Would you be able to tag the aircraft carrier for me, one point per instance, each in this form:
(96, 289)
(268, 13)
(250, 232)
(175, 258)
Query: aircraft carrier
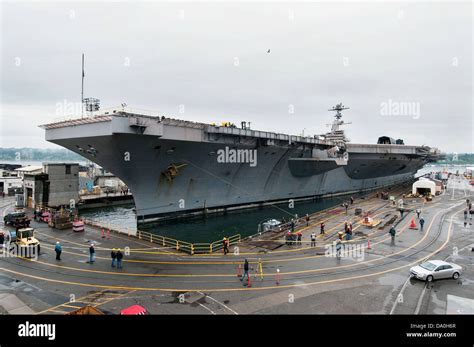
(176, 168)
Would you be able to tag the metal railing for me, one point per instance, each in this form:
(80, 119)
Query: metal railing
(216, 246)
(168, 242)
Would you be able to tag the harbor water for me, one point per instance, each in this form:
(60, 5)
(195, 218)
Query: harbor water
(213, 227)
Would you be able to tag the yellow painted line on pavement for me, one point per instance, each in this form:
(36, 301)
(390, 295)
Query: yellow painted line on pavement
(233, 275)
(263, 261)
(295, 285)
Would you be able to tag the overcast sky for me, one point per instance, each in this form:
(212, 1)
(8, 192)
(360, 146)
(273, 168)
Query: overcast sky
(210, 60)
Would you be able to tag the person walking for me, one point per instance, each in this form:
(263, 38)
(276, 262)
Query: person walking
(246, 270)
(338, 249)
(418, 212)
(299, 235)
(119, 258)
(113, 255)
(91, 253)
(322, 228)
(392, 233)
(352, 200)
(225, 245)
(313, 239)
(307, 219)
(401, 213)
(422, 222)
(465, 217)
(58, 249)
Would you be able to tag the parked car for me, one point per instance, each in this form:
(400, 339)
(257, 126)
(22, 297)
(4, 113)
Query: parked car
(436, 269)
(17, 219)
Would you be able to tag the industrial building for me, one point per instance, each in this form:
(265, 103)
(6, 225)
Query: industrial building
(56, 185)
(10, 184)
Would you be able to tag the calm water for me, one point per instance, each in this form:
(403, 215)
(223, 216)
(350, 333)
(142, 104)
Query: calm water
(215, 227)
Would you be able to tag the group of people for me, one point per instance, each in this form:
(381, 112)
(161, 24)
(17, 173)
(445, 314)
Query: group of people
(292, 238)
(116, 254)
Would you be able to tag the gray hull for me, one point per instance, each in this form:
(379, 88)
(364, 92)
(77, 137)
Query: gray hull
(285, 169)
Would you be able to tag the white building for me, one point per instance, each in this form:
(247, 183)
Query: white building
(30, 169)
(10, 183)
(423, 186)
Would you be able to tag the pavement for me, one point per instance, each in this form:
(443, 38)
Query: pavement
(311, 279)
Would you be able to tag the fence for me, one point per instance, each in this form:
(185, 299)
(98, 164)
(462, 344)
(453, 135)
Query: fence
(178, 245)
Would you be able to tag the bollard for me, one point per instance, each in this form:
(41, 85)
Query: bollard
(239, 271)
(177, 245)
(103, 233)
(108, 234)
(277, 277)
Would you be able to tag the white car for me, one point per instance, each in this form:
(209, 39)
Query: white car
(436, 269)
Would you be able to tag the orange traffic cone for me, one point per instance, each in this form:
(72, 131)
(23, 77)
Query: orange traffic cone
(413, 224)
(368, 245)
(103, 233)
(249, 284)
(239, 271)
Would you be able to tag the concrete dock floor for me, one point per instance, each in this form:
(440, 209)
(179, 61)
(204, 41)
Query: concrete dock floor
(311, 279)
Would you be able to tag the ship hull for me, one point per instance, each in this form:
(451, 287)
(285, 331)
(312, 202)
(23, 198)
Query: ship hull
(203, 185)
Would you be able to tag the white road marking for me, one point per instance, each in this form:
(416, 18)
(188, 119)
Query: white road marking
(220, 303)
(395, 304)
(420, 299)
(207, 308)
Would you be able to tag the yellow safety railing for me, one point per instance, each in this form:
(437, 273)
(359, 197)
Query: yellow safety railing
(178, 245)
(216, 246)
(164, 241)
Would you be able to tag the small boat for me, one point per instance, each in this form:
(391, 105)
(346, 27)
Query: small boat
(270, 224)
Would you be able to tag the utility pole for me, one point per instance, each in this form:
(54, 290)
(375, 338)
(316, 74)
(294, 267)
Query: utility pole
(82, 88)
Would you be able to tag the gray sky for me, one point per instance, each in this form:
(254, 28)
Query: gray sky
(212, 58)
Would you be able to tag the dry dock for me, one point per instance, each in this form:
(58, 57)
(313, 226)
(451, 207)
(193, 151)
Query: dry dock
(298, 278)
